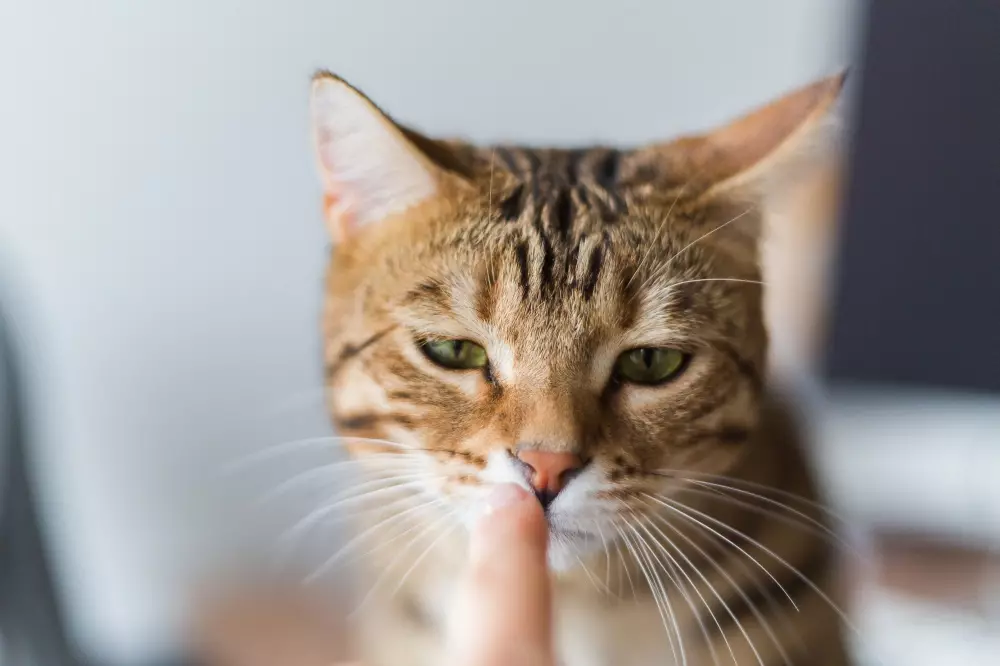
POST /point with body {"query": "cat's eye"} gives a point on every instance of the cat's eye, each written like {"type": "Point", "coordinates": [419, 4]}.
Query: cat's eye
{"type": "Point", "coordinates": [455, 354]}
{"type": "Point", "coordinates": [650, 365]}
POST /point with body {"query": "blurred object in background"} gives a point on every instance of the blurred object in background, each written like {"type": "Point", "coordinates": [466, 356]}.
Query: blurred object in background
{"type": "Point", "coordinates": [910, 433]}
{"type": "Point", "coordinates": [31, 622]}
{"type": "Point", "coordinates": [258, 626]}
{"type": "Point", "coordinates": [918, 264]}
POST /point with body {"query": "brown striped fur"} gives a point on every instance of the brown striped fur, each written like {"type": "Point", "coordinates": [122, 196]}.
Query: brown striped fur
{"type": "Point", "coordinates": [556, 261]}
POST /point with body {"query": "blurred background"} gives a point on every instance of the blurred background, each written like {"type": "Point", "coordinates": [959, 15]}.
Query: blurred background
{"type": "Point", "coordinates": [161, 251]}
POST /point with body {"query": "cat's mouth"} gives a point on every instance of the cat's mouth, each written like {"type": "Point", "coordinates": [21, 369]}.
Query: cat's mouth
{"type": "Point", "coordinates": [567, 545]}
{"type": "Point", "coordinates": [572, 535]}
{"type": "Point", "coordinates": [567, 534]}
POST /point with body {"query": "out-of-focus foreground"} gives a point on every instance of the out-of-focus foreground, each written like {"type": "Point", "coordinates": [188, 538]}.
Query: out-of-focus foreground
{"type": "Point", "coordinates": [161, 252]}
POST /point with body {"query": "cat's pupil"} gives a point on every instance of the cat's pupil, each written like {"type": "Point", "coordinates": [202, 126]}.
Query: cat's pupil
{"type": "Point", "coordinates": [456, 348]}
{"type": "Point", "coordinates": [647, 357]}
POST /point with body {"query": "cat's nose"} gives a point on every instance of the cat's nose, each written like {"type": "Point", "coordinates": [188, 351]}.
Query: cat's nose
{"type": "Point", "coordinates": [550, 472]}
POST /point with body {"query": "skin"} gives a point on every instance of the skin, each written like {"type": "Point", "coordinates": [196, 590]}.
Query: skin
{"type": "Point", "coordinates": [503, 606]}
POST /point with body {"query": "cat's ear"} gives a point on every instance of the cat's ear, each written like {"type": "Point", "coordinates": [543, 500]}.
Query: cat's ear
{"type": "Point", "coordinates": [370, 167]}
{"type": "Point", "coordinates": [752, 153]}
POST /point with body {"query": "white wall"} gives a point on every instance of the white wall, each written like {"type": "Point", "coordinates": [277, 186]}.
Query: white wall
{"type": "Point", "coordinates": [159, 216]}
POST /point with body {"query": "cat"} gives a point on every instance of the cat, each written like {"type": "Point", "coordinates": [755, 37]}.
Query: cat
{"type": "Point", "coordinates": [588, 324]}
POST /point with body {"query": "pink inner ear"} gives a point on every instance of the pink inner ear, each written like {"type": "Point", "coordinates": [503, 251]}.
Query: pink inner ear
{"type": "Point", "coordinates": [338, 214]}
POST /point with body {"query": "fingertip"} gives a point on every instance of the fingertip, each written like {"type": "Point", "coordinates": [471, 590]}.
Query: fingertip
{"type": "Point", "coordinates": [503, 612]}
{"type": "Point", "coordinates": [505, 495]}
{"type": "Point", "coordinates": [513, 518]}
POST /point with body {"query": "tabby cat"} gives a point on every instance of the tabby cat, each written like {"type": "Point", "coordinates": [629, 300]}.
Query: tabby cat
{"type": "Point", "coordinates": [587, 324]}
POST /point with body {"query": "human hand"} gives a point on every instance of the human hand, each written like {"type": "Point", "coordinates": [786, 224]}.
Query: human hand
{"type": "Point", "coordinates": [502, 614]}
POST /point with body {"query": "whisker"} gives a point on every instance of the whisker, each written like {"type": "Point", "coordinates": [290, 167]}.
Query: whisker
{"type": "Point", "coordinates": [607, 558]}
{"type": "Point", "coordinates": [659, 227]}
{"type": "Point", "coordinates": [801, 576]}
{"type": "Point", "coordinates": [388, 569]}
{"type": "Point", "coordinates": [385, 543]}
{"type": "Point", "coordinates": [360, 538]}
{"type": "Point", "coordinates": [587, 573]}
{"type": "Point", "coordinates": [282, 448]}
{"type": "Point", "coordinates": [327, 472]}
{"type": "Point", "coordinates": [672, 285]}
{"type": "Point", "coordinates": [676, 567]}
{"type": "Point", "coordinates": [692, 243]}
{"type": "Point", "coordinates": [623, 565]}
{"type": "Point", "coordinates": [655, 587]}
{"type": "Point", "coordinates": [680, 508]}
{"type": "Point", "coordinates": [651, 554]}
{"type": "Point", "coordinates": [730, 481]}
{"type": "Point", "coordinates": [768, 597]}
{"type": "Point", "coordinates": [444, 533]}
{"type": "Point", "coordinates": [386, 523]}
{"type": "Point", "coordinates": [798, 519]}
{"type": "Point", "coordinates": [707, 234]}
{"type": "Point", "coordinates": [388, 542]}
{"type": "Point", "coordinates": [287, 540]}
{"type": "Point", "coordinates": [729, 579]}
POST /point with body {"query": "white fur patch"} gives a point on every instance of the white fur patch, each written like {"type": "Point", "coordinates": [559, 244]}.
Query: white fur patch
{"type": "Point", "coordinates": [579, 522]}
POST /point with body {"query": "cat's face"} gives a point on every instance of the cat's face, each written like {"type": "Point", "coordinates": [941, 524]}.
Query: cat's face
{"type": "Point", "coordinates": [583, 323]}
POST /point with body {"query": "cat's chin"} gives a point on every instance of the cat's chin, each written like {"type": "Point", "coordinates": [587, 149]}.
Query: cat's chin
{"type": "Point", "coordinates": [568, 548]}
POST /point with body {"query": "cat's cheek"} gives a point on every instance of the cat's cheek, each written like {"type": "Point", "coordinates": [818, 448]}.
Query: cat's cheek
{"type": "Point", "coordinates": [355, 391]}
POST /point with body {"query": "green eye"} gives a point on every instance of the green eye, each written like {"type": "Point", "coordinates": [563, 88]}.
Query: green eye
{"type": "Point", "coordinates": [650, 365]}
{"type": "Point", "coordinates": [455, 354]}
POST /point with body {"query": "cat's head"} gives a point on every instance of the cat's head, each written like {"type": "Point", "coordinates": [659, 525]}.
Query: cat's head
{"type": "Point", "coordinates": [585, 323]}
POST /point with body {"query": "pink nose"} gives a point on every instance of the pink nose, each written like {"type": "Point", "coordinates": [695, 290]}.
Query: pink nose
{"type": "Point", "coordinates": [550, 472]}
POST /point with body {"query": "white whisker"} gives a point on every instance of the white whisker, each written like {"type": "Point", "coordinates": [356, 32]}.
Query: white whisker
{"type": "Point", "coordinates": [680, 509]}
{"type": "Point", "coordinates": [659, 228]}
{"type": "Point", "coordinates": [739, 590]}
{"type": "Point", "coordinates": [586, 572]}
{"type": "Point", "coordinates": [652, 583]}
{"type": "Point", "coordinates": [672, 285]}
{"type": "Point", "coordinates": [388, 569]}
{"type": "Point", "coordinates": [797, 519]}
{"type": "Point", "coordinates": [723, 480]}
{"type": "Point", "coordinates": [798, 574]}
{"type": "Point", "coordinates": [622, 564]}
{"type": "Point", "coordinates": [675, 567]}
{"type": "Point", "coordinates": [281, 448]}
{"type": "Point", "coordinates": [607, 558]}
{"type": "Point", "coordinates": [359, 539]}
{"type": "Point", "coordinates": [326, 472]}
{"type": "Point", "coordinates": [692, 243]}
{"type": "Point", "coordinates": [420, 558]}
{"type": "Point", "coordinates": [694, 586]}
{"type": "Point", "coordinates": [650, 556]}
{"type": "Point", "coordinates": [288, 539]}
